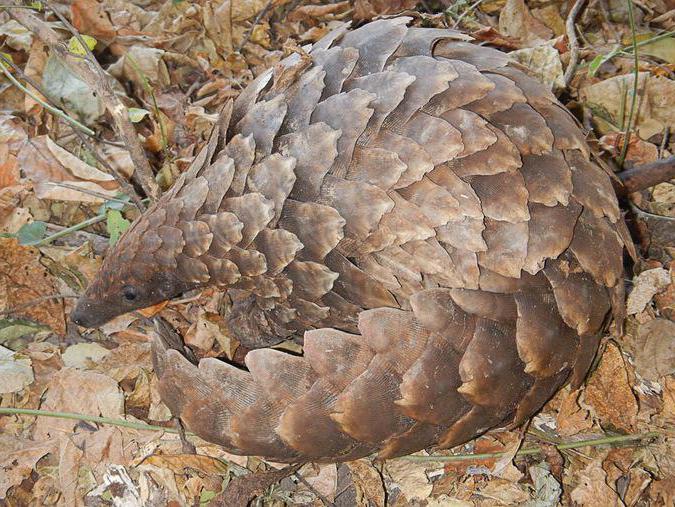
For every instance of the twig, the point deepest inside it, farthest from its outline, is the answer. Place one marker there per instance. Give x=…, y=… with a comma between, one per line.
x=33, y=302
x=257, y=19
x=91, y=73
x=530, y=451
x=466, y=11
x=57, y=112
x=570, y=28
x=636, y=75
x=74, y=228
x=126, y=187
x=86, y=191
x=321, y=497
x=119, y=112
x=646, y=175
x=98, y=243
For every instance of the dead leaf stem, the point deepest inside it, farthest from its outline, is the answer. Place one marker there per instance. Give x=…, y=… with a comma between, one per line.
x=529, y=451
x=636, y=71
x=87, y=418
x=4, y=62
x=89, y=70
x=570, y=28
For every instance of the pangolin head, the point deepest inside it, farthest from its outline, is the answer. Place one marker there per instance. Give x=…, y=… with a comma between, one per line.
x=148, y=265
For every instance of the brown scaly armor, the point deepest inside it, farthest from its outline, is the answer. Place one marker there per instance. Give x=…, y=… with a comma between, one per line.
x=425, y=214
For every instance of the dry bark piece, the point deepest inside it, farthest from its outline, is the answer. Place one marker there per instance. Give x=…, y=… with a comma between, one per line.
x=424, y=213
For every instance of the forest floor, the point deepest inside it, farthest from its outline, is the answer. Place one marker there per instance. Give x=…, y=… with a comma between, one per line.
x=175, y=63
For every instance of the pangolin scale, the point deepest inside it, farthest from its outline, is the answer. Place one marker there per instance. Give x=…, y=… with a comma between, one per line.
x=422, y=212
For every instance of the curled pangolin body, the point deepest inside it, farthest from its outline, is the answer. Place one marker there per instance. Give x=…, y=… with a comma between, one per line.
x=424, y=212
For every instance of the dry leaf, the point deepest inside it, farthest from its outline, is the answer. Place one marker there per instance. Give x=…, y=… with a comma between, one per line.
x=655, y=346
x=35, y=66
x=645, y=286
x=668, y=411
x=411, y=478
x=178, y=463
x=43, y=168
x=544, y=64
x=368, y=9
x=126, y=361
x=117, y=484
x=77, y=167
x=323, y=479
x=24, y=280
x=609, y=393
x=90, y=17
x=368, y=483
x=592, y=487
x=639, y=151
x=84, y=356
x=82, y=392
x=572, y=418
x=657, y=103
x=515, y=20
x=15, y=371
x=17, y=460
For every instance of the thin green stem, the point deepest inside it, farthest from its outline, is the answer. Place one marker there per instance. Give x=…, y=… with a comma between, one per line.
x=529, y=451
x=87, y=418
x=29, y=7
x=91, y=221
x=636, y=72
x=44, y=104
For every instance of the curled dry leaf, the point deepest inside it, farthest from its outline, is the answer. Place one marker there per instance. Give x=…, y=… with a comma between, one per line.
x=44, y=163
x=645, y=286
x=544, y=64
x=15, y=371
x=24, y=280
x=609, y=393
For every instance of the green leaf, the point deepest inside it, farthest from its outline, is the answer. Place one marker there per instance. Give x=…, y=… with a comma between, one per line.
x=136, y=114
x=8, y=57
x=36, y=5
x=595, y=64
x=116, y=224
x=31, y=233
x=76, y=48
x=206, y=496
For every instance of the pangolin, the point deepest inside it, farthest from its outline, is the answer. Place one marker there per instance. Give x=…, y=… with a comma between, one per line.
x=421, y=213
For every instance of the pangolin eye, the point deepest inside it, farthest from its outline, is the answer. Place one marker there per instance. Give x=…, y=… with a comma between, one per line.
x=129, y=293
